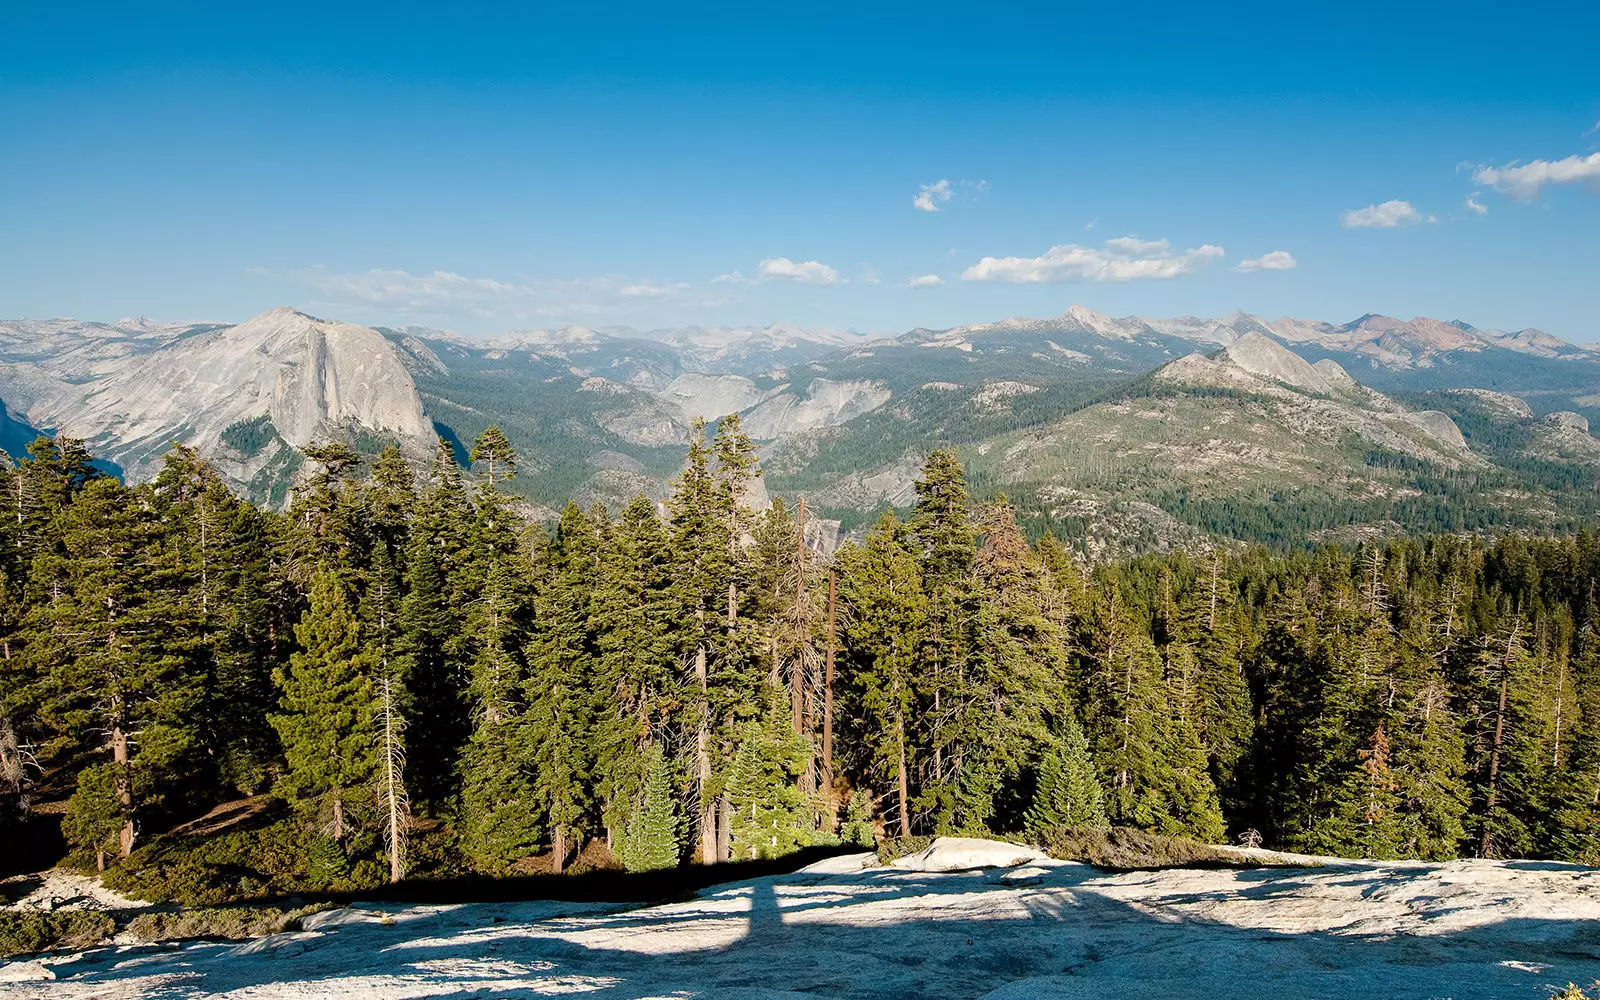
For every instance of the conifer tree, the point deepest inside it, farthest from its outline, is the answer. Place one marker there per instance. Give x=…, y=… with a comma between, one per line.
x=1067, y=792
x=1509, y=773
x=494, y=450
x=632, y=616
x=702, y=545
x=770, y=816
x=887, y=611
x=114, y=646
x=560, y=693
x=652, y=840
x=326, y=717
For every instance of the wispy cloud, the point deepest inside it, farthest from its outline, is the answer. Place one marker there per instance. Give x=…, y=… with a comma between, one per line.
x=1125, y=258
x=925, y=281
x=1523, y=181
x=809, y=272
x=404, y=290
x=645, y=290
x=732, y=278
x=1276, y=260
x=1134, y=245
x=1388, y=215
x=445, y=294
x=932, y=196
x=1475, y=205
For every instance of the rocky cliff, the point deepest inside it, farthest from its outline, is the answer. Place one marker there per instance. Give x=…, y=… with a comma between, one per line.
x=245, y=395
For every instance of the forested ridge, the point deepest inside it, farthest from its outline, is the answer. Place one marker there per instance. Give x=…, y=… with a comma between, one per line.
x=418, y=681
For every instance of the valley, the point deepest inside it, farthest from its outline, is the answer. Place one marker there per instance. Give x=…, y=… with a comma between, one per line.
x=1121, y=435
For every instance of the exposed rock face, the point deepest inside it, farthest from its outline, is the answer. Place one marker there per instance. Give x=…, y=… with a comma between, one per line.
x=1322, y=400
x=710, y=396
x=309, y=378
x=1263, y=356
x=1567, y=420
x=1504, y=404
x=826, y=404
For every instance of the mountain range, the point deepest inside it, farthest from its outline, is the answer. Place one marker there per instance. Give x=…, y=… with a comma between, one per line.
x=1126, y=433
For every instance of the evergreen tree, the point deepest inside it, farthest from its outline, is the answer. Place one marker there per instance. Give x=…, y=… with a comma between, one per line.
x=1067, y=792
x=494, y=450
x=114, y=646
x=560, y=694
x=887, y=612
x=770, y=816
x=326, y=717
x=653, y=837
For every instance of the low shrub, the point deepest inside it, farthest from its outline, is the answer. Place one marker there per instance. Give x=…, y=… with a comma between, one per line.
x=226, y=923
x=893, y=848
x=1119, y=848
x=26, y=932
x=1127, y=849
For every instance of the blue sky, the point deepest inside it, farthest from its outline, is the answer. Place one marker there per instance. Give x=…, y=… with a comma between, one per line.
x=486, y=168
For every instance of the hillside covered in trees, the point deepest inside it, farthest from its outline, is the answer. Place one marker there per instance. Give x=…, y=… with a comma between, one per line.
x=403, y=678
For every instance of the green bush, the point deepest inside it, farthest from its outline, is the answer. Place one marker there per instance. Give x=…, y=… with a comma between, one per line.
x=893, y=848
x=225, y=868
x=1119, y=848
x=23, y=933
x=228, y=923
x=1124, y=848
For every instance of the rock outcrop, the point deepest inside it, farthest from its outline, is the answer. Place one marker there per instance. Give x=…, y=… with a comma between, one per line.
x=290, y=377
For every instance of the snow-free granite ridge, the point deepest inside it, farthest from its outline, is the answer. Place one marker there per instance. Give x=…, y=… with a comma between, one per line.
x=1355, y=930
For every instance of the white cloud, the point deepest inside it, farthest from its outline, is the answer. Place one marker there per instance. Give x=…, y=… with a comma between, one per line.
x=1276, y=260
x=732, y=278
x=1127, y=260
x=1134, y=245
x=404, y=290
x=1385, y=216
x=645, y=290
x=444, y=295
x=1522, y=181
x=1476, y=205
x=925, y=281
x=808, y=272
x=932, y=195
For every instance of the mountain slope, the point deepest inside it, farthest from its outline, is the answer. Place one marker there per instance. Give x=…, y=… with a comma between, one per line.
x=245, y=395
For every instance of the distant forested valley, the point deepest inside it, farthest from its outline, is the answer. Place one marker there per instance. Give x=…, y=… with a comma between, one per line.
x=399, y=677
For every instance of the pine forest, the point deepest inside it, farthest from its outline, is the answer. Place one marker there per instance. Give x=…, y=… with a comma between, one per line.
x=400, y=677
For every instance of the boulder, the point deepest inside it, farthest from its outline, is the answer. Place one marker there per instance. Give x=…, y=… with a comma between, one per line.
x=956, y=854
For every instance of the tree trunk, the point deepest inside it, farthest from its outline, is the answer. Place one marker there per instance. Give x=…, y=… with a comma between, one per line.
x=119, y=756
x=725, y=827
x=827, y=706
x=904, y=781
x=338, y=815
x=558, y=849
x=1487, y=843
x=708, y=816
x=394, y=780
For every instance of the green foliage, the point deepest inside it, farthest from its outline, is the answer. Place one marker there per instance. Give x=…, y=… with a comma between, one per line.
x=228, y=923
x=857, y=829
x=250, y=437
x=1067, y=791
x=1122, y=848
x=25, y=932
x=653, y=839
x=326, y=722
x=771, y=816
x=657, y=681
